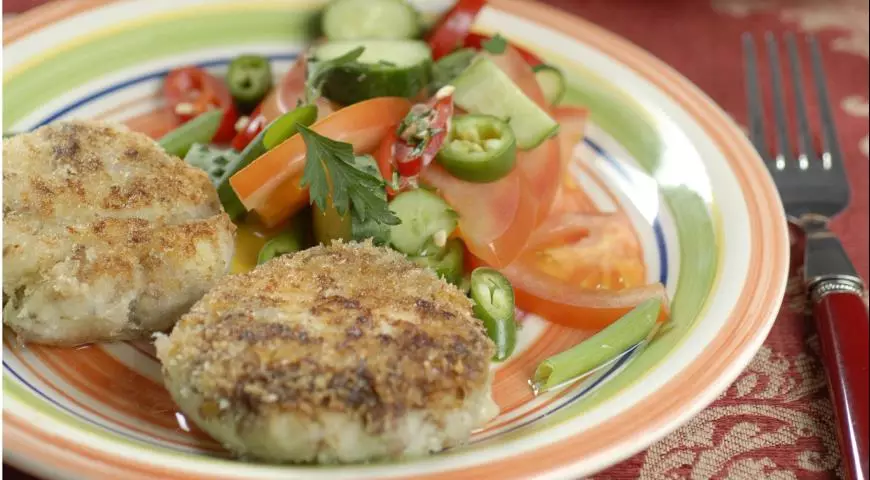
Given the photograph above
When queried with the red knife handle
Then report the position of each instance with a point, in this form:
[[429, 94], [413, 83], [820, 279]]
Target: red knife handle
[[842, 325]]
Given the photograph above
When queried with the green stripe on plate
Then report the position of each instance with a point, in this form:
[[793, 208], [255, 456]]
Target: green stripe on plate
[[65, 69]]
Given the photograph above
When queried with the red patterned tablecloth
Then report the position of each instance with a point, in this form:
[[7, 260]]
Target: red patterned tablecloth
[[775, 421]]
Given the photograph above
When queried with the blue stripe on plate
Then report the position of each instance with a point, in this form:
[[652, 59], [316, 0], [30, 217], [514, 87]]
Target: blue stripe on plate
[[657, 224]]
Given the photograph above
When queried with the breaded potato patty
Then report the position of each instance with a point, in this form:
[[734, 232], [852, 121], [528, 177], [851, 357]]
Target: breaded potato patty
[[344, 353], [106, 237]]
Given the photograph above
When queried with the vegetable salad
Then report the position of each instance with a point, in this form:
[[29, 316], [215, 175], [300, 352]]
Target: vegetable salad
[[447, 146]]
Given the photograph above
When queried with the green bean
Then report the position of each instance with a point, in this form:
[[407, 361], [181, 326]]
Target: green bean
[[634, 327], [285, 126]]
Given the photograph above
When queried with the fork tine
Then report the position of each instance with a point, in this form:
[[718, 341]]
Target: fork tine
[[830, 145], [781, 126], [753, 96], [805, 144]]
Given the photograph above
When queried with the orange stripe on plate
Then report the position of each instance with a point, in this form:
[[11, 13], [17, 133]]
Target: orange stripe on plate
[[129, 392], [92, 463], [63, 374], [101, 383], [44, 15]]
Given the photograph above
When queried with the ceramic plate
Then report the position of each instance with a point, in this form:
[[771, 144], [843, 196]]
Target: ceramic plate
[[700, 201]]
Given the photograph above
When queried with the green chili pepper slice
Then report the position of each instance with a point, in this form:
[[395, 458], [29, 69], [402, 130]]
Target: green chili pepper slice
[[297, 237], [283, 243], [249, 79], [446, 262], [494, 304], [479, 148], [305, 115]]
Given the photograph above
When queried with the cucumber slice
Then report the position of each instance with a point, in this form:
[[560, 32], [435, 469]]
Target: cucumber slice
[[386, 68], [485, 88], [552, 82], [449, 67], [426, 220], [367, 19]]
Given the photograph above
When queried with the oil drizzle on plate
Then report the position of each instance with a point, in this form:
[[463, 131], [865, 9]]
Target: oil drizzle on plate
[[250, 238]]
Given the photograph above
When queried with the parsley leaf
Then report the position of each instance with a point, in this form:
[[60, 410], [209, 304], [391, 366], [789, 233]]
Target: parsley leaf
[[378, 232], [495, 45], [319, 70], [331, 169]]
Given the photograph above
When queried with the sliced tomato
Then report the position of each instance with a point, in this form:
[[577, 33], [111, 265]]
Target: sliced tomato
[[399, 155], [570, 198], [432, 117], [270, 184], [476, 40], [589, 310], [191, 91], [572, 128], [290, 91], [256, 124], [575, 246], [582, 270], [495, 219], [542, 170], [542, 167], [450, 32], [515, 66], [385, 156]]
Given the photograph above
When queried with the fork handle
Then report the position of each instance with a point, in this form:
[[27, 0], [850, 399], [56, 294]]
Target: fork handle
[[842, 324]]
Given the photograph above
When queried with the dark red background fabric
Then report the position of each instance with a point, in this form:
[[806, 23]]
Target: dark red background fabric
[[776, 420]]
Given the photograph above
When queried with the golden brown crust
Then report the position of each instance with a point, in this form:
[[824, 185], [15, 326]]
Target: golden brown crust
[[83, 169], [106, 236], [349, 328]]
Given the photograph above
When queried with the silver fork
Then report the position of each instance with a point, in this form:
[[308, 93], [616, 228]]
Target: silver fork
[[814, 188]]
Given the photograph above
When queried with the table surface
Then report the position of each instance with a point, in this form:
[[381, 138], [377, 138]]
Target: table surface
[[775, 421]]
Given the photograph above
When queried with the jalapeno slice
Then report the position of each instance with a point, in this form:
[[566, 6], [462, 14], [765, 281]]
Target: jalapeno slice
[[446, 262], [494, 304], [281, 244], [249, 79], [479, 148]]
